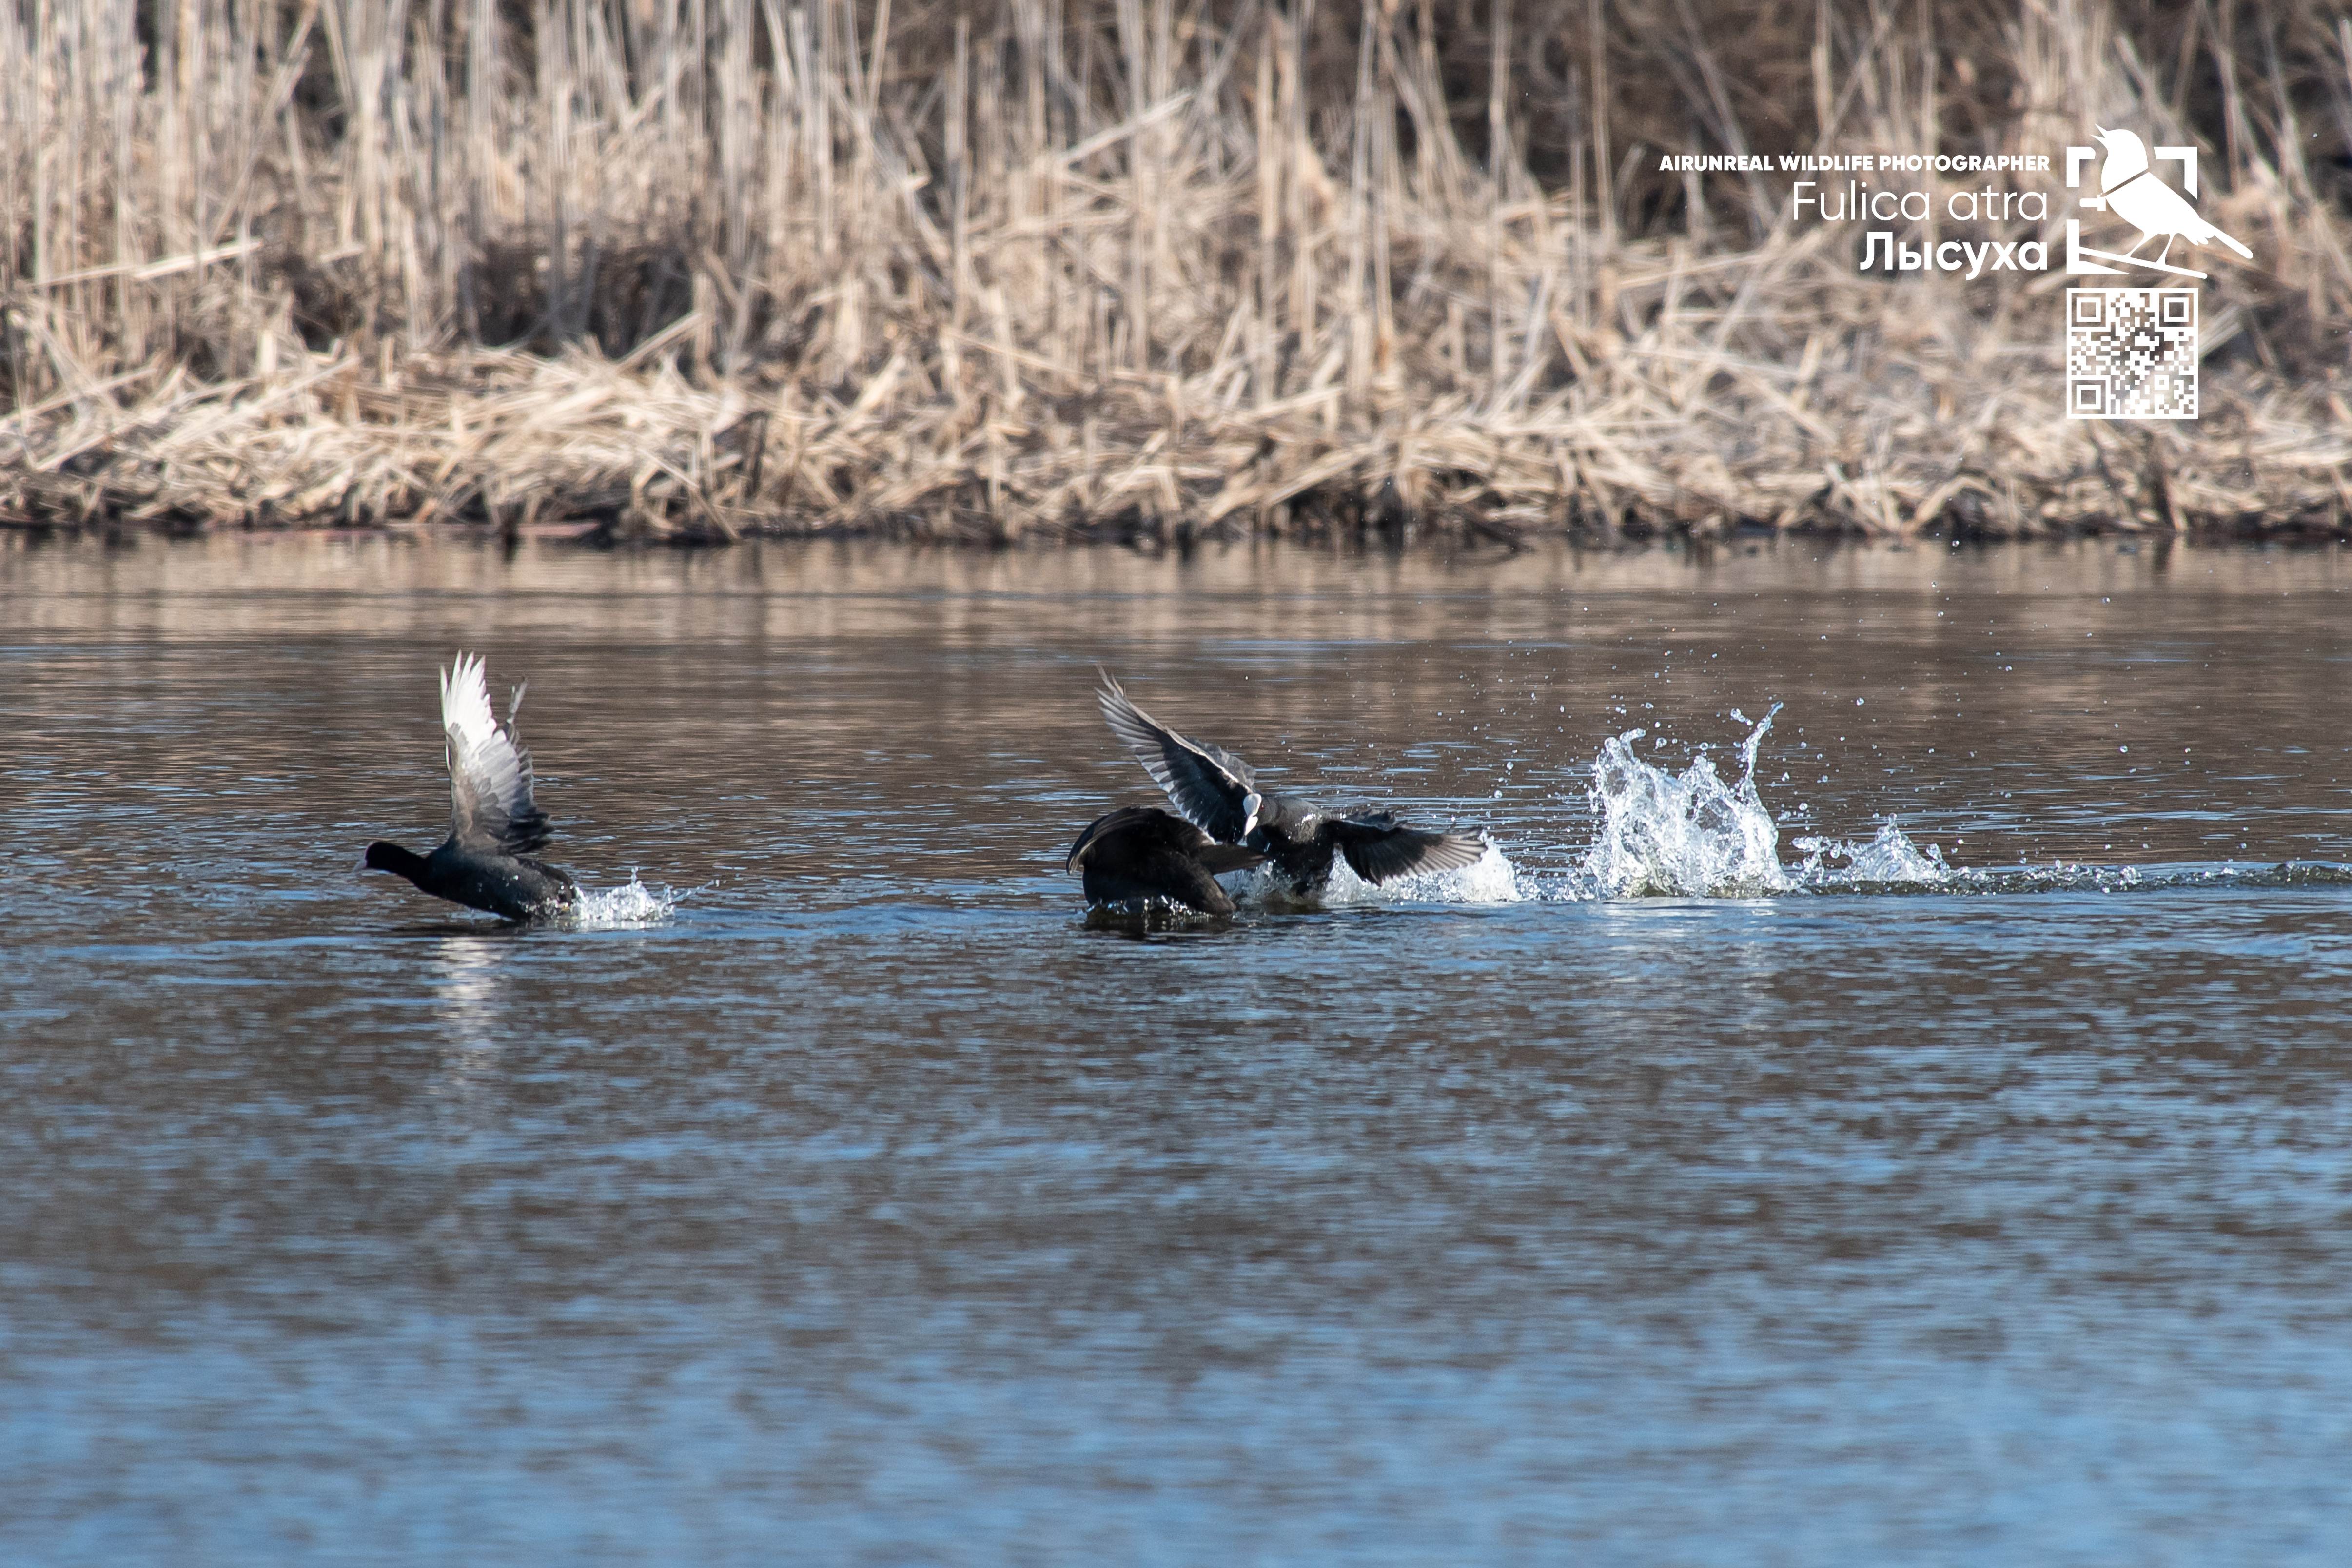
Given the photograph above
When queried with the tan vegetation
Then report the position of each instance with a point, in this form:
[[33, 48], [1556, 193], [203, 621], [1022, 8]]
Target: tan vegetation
[[1061, 268]]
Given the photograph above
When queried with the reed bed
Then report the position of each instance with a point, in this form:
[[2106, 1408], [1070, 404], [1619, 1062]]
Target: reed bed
[[1060, 269]]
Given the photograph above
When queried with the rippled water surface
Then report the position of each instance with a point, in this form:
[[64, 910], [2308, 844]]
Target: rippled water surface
[[1717, 1174]]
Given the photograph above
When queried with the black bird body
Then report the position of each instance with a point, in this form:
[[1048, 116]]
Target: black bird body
[[1217, 791], [513, 886], [1139, 854], [494, 822], [1302, 841]]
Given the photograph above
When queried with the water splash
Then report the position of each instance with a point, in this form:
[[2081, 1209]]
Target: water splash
[[1489, 879], [628, 907], [1890, 858], [2058, 877], [1135, 915], [1697, 834], [1688, 834]]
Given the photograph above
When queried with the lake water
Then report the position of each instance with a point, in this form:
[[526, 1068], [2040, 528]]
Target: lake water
[[871, 1205]]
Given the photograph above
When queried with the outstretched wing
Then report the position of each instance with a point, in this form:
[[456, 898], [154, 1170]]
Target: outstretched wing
[[1378, 847], [491, 805], [1210, 785]]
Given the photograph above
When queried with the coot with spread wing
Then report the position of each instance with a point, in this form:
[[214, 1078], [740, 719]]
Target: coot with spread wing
[[494, 823], [1217, 791]]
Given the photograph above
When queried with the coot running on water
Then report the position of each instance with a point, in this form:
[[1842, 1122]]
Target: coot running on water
[[494, 824], [1142, 853], [1216, 791]]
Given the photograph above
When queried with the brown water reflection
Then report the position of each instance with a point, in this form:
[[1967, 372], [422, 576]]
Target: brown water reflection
[[874, 1204]]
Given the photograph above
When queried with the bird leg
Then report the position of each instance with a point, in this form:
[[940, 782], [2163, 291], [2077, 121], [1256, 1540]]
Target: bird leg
[[2134, 251], [2167, 249]]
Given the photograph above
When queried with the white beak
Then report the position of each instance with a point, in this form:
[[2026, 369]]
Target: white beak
[[1250, 803]]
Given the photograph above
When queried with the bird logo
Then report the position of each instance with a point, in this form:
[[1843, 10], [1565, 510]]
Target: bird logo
[[2132, 190]]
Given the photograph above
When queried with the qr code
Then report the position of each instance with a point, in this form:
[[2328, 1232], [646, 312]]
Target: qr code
[[2131, 353]]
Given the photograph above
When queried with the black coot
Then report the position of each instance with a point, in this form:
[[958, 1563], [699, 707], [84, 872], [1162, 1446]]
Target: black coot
[[1216, 791], [494, 824], [1139, 853]]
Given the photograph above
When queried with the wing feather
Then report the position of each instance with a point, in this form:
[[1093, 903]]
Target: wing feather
[[1378, 848], [490, 804], [1207, 785]]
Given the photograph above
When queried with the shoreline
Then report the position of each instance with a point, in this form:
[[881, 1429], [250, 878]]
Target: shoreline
[[612, 452], [1449, 539], [1445, 546]]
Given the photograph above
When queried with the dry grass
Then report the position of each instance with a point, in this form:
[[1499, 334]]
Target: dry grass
[[1051, 269]]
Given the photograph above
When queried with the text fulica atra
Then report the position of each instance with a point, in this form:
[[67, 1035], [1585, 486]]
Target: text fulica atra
[[1217, 791], [1139, 853], [494, 824]]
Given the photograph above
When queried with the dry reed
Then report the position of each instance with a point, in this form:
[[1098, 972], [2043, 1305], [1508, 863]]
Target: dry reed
[[1048, 269]]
